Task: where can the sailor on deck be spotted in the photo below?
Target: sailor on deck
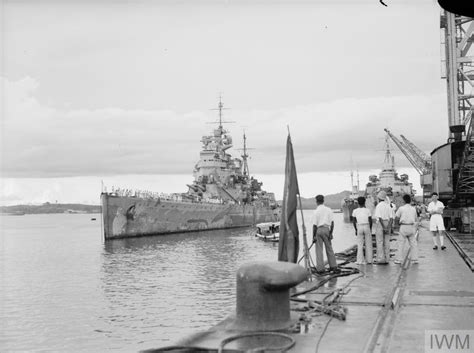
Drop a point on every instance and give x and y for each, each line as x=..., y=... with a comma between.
x=408, y=223
x=435, y=209
x=323, y=226
x=384, y=218
x=362, y=219
x=424, y=225
x=394, y=209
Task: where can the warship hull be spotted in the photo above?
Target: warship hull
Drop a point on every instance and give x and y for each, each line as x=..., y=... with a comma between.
x=125, y=217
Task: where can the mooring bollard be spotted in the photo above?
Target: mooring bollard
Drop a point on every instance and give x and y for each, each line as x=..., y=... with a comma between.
x=263, y=299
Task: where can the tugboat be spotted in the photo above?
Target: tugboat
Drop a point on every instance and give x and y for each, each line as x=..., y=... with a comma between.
x=222, y=195
x=389, y=181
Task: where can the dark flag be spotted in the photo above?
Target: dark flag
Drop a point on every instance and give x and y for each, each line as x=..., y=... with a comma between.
x=288, y=245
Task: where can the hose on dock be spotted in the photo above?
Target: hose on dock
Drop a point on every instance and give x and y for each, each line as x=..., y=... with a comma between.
x=332, y=308
x=349, y=255
x=345, y=271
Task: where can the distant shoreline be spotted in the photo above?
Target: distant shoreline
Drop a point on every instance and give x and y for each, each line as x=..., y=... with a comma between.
x=49, y=208
x=333, y=201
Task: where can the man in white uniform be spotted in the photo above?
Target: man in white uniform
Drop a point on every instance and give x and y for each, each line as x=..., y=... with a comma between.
x=394, y=209
x=362, y=219
x=384, y=218
x=323, y=226
x=408, y=222
x=435, y=209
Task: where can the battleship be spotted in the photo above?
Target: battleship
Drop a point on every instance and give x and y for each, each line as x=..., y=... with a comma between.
x=389, y=181
x=222, y=195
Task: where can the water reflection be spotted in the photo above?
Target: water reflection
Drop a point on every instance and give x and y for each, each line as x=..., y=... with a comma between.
x=160, y=288
x=72, y=292
x=184, y=282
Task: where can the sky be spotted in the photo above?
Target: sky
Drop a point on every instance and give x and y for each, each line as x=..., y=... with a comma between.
x=121, y=92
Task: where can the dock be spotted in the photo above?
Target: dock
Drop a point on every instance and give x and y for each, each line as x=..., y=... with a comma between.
x=386, y=308
x=391, y=308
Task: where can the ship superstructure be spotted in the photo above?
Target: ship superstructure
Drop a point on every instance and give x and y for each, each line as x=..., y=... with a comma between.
x=349, y=203
x=222, y=195
x=220, y=177
x=389, y=181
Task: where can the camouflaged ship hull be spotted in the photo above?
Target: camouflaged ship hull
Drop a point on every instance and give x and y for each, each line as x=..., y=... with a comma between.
x=132, y=217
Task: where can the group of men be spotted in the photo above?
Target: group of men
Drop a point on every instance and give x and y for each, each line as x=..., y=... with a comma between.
x=382, y=221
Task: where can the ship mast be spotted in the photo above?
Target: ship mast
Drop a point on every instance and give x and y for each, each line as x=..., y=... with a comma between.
x=389, y=161
x=244, y=157
x=352, y=174
x=354, y=187
x=358, y=180
x=220, y=107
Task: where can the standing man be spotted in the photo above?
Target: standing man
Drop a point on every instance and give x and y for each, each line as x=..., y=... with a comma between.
x=408, y=222
x=435, y=209
x=393, y=208
x=323, y=227
x=424, y=225
x=362, y=219
x=384, y=218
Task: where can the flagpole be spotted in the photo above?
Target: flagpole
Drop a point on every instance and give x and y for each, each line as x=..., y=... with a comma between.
x=305, y=242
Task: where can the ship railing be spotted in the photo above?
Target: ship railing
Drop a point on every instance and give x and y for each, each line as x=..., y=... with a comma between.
x=159, y=196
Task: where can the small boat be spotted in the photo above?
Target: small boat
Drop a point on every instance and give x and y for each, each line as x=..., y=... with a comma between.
x=268, y=231
x=93, y=219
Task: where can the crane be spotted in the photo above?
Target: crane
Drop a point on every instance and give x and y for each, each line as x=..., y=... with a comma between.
x=415, y=156
x=465, y=186
x=458, y=33
x=421, y=156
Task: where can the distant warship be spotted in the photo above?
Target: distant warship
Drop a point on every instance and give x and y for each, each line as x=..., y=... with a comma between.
x=349, y=203
x=389, y=181
x=222, y=195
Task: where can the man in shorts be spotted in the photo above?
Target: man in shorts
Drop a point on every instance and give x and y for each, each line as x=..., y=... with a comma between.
x=435, y=209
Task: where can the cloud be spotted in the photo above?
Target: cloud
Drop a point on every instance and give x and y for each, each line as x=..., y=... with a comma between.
x=46, y=141
x=327, y=135
x=86, y=189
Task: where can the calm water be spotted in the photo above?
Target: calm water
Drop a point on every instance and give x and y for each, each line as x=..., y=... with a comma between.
x=63, y=289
